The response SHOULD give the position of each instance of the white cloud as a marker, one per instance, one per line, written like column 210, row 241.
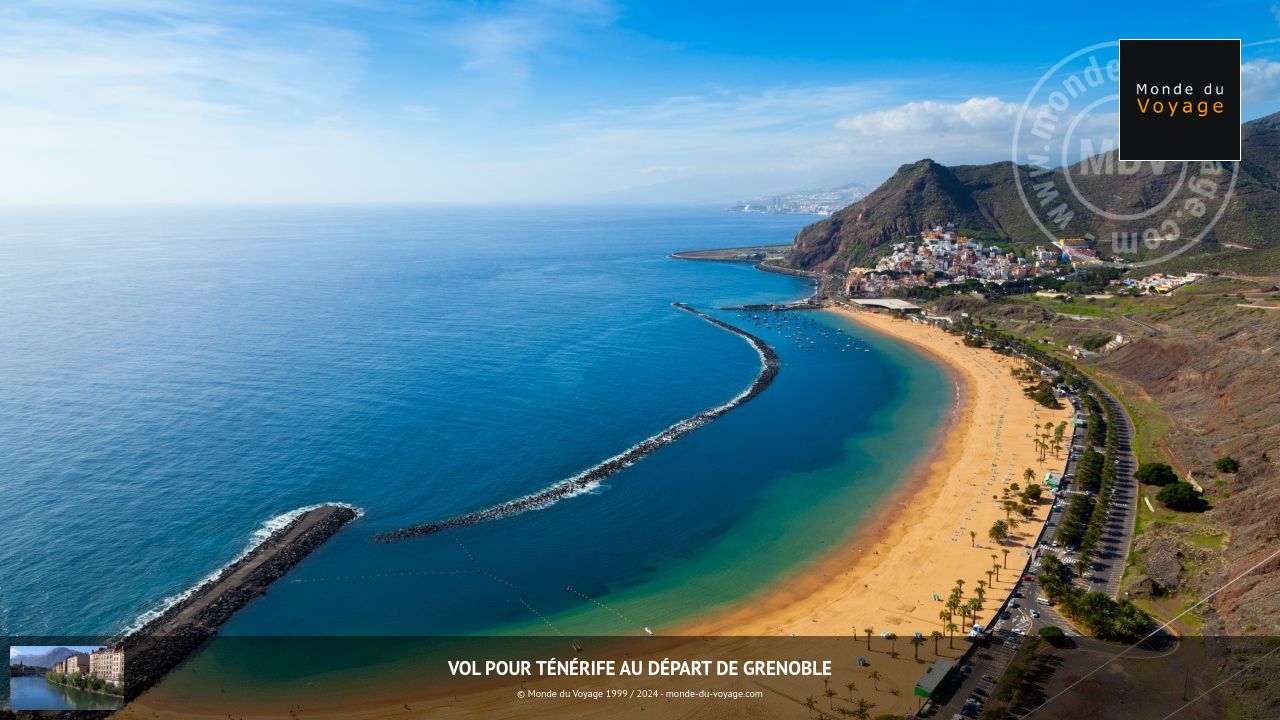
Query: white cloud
column 977, row 114
column 1259, row 81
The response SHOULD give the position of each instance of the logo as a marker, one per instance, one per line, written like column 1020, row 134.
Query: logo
column 1098, row 209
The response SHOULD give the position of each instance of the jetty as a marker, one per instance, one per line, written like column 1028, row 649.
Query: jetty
column 152, row 651
column 591, row 477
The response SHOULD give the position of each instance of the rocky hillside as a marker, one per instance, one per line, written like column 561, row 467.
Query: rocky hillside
column 984, row 200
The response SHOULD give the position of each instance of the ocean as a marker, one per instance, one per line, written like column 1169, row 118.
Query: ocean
column 176, row 380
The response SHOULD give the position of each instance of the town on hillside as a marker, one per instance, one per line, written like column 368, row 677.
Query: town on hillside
column 942, row 257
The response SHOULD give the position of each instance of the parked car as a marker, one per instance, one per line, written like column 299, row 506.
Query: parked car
column 1035, row 613
column 989, row 677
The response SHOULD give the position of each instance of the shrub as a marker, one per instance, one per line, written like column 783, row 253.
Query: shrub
column 1227, row 464
column 1181, row 496
column 1156, row 474
column 1053, row 635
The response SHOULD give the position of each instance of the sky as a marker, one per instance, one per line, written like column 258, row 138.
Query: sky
column 545, row 101
column 15, row 650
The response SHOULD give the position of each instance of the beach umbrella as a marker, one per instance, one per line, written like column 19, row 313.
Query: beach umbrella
column 884, row 634
column 918, row 634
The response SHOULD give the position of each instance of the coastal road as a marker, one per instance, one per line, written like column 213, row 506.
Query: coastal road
column 1108, row 564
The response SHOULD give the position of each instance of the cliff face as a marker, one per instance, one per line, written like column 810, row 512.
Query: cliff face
column 984, row 199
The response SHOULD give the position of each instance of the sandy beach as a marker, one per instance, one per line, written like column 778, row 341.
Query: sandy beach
column 884, row 576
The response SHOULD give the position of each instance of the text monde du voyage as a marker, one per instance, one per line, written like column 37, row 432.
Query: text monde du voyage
column 1180, row 99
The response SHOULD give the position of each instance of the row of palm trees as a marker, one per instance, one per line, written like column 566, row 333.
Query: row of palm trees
column 1050, row 438
column 860, row 707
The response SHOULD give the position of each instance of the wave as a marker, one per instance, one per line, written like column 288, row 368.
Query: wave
column 256, row 538
column 590, row 479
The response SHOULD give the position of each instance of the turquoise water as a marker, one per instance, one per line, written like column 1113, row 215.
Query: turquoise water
column 173, row 378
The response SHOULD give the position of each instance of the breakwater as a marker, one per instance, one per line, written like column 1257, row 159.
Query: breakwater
column 164, row 641
column 591, row 477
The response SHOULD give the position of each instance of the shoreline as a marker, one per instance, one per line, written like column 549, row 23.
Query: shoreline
column 808, row 604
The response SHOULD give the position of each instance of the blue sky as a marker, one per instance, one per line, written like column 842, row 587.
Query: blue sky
column 15, row 650
column 130, row 101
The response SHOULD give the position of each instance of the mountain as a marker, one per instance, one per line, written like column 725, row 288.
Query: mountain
column 46, row 659
column 984, row 201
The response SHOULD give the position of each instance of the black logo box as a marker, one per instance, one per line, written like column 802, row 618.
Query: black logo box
column 1179, row 65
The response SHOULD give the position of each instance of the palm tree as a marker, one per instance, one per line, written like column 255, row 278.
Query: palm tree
column 936, row 637
column 996, row 568
column 831, row 697
column 1006, row 556
column 1029, row 474
column 976, row 604
column 893, row 644
column 951, row 630
column 875, row 678
column 863, row 711
column 868, row 631
column 973, row 538
column 916, row 642
column 851, row 686
column 999, row 531
column 810, row 703
column 989, row 574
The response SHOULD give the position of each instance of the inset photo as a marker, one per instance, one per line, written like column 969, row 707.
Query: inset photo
column 57, row 677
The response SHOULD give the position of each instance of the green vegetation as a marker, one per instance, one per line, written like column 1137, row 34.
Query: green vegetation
column 1182, row 496
column 1076, row 519
column 1042, row 392
column 1156, row 473
column 1089, row 472
column 1104, row 617
column 1227, row 464
column 1054, row 635
column 1031, row 495
column 84, row 681
column 999, row 531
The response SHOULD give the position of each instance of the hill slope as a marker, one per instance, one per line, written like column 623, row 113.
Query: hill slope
column 984, row 199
